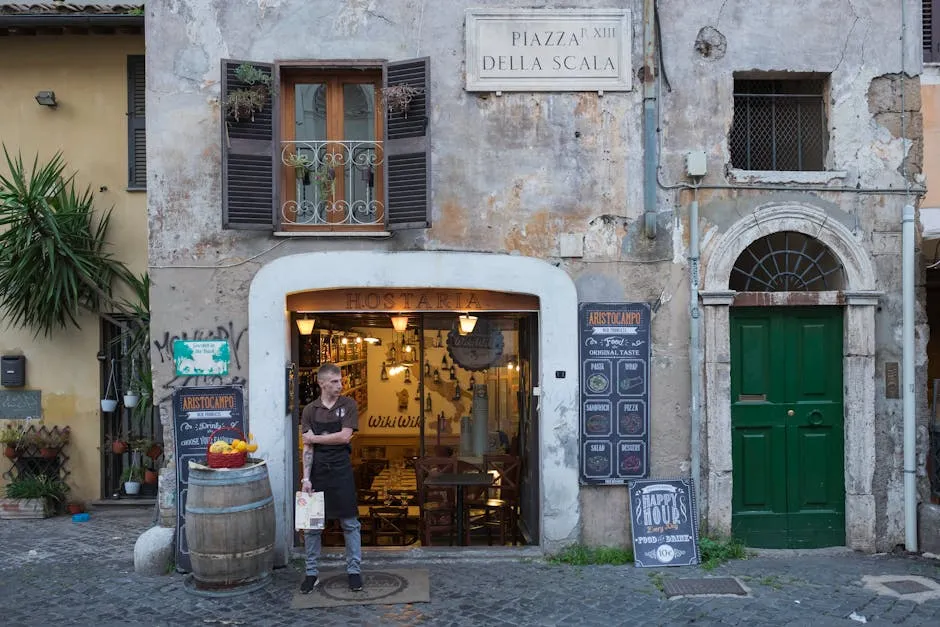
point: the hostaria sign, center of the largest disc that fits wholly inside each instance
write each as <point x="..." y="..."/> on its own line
<point x="549" y="50"/>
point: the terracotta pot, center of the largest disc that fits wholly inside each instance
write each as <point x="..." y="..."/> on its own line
<point x="49" y="453"/>
<point x="155" y="451"/>
<point x="150" y="477"/>
<point x="75" y="508"/>
<point x="119" y="447"/>
<point x="11" y="452"/>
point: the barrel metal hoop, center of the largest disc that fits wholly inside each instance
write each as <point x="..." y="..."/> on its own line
<point x="223" y="480"/>
<point x="230" y="510"/>
<point x="227" y="556"/>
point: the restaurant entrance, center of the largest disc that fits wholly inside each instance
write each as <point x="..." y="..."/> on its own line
<point x="446" y="452"/>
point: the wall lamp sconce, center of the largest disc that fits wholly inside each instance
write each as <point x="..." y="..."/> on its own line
<point x="467" y="323"/>
<point x="305" y="325"/>
<point x="47" y="99"/>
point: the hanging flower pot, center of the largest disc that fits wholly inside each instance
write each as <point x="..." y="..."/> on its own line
<point x="154" y="451"/>
<point x="11" y="452"/>
<point x="131" y="399"/>
<point x="119" y="447"/>
<point x="49" y="453"/>
<point x="108" y="404"/>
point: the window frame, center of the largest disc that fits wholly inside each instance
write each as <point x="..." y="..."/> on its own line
<point x="334" y="74"/>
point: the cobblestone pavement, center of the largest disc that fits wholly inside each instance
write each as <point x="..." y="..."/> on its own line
<point x="58" y="572"/>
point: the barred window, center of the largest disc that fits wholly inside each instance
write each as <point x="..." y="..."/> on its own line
<point x="779" y="124"/>
<point x="929" y="28"/>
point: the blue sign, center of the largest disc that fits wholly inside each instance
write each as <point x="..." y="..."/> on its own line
<point x="615" y="392"/>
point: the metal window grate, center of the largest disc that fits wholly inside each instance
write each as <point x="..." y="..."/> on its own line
<point x="779" y="125"/>
<point x="927" y="30"/>
<point x="787" y="262"/>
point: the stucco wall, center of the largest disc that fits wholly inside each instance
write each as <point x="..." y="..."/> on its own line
<point x="511" y="173"/>
<point x="89" y="127"/>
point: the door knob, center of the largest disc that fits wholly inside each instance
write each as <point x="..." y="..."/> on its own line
<point x="790" y="412"/>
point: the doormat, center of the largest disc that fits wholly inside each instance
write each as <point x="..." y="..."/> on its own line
<point x="379" y="587"/>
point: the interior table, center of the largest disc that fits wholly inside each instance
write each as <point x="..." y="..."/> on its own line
<point x="460" y="480"/>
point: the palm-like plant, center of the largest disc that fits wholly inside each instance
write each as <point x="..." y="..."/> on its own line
<point x="54" y="257"/>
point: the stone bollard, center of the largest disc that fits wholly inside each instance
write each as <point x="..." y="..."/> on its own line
<point x="153" y="551"/>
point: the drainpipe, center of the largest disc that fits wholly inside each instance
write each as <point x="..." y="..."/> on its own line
<point x="650" y="145"/>
<point x="907" y="361"/>
<point x="695" y="353"/>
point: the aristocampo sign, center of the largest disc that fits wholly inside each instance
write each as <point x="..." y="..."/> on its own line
<point x="549" y="50"/>
<point x="417" y="299"/>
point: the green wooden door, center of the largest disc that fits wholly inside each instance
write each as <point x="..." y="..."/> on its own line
<point x="787" y="427"/>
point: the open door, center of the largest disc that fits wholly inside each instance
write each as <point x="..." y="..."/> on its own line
<point x="529" y="428"/>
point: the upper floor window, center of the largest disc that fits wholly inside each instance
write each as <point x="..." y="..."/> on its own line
<point x="930" y="28"/>
<point x="779" y="124"/>
<point x="325" y="145"/>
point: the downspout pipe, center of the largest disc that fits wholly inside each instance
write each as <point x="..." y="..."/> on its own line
<point x="695" y="355"/>
<point x="907" y="373"/>
<point x="650" y="143"/>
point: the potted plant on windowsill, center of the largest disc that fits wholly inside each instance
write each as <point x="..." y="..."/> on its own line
<point x="132" y="477"/>
<point x="302" y="165"/>
<point x="33" y="496"/>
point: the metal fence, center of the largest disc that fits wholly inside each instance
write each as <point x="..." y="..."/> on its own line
<point x="779" y="125"/>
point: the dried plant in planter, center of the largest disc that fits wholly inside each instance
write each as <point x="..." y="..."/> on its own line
<point x="244" y="102"/>
<point x="398" y="98"/>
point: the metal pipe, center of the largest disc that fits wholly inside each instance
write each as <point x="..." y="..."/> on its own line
<point x="695" y="356"/>
<point x="907" y="361"/>
<point x="650" y="144"/>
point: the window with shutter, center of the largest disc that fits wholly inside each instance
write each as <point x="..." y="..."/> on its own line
<point x="342" y="147"/>
<point x="136" y="126"/>
<point x="930" y="27"/>
<point x="249" y="103"/>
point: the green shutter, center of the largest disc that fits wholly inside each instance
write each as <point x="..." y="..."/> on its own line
<point x="408" y="149"/>
<point x="248" y="153"/>
<point x="136" y="127"/>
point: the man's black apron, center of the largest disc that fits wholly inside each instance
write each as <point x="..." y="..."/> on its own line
<point x="333" y="474"/>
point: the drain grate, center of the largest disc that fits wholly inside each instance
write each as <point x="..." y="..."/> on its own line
<point x="703" y="586"/>
<point x="906" y="586"/>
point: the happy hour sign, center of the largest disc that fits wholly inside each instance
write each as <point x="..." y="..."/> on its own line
<point x="664" y="522"/>
<point x="615" y="355"/>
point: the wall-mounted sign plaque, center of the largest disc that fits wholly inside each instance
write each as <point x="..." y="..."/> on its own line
<point x="615" y="357"/>
<point x="201" y="357"/>
<point x="549" y="50"/>
<point x="477" y="350"/>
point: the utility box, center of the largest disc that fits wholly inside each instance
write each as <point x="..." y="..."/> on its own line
<point x="13" y="371"/>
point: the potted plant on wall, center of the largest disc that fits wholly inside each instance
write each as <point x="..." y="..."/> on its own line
<point x="132" y="477"/>
<point x="244" y="102"/>
<point x="12" y="439"/>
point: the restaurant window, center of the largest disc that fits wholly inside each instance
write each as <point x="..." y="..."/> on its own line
<point x="779" y="124"/>
<point x="320" y="148"/>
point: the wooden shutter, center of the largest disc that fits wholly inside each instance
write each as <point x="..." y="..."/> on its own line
<point x="930" y="22"/>
<point x="248" y="153"/>
<point x="136" y="127"/>
<point x="408" y="149"/>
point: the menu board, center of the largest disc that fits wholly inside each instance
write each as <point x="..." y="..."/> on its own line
<point x="615" y="365"/>
<point x="197" y="412"/>
<point x="664" y="522"/>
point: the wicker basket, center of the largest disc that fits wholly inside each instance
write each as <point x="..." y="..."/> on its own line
<point x="225" y="460"/>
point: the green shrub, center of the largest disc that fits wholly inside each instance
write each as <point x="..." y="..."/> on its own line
<point x="580" y="555"/>
<point x="716" y="551"/>
<point x="37" y="487"/>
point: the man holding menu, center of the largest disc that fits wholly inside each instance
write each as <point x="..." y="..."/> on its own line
<point x="327" y="426"/>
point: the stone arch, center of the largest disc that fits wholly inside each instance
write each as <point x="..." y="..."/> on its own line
<point x="858" y="362"/>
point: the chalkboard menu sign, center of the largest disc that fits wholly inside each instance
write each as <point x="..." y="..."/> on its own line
<point x="664" y="521"/>
<point x="197" y="412"/>
<point x="615" y="366"/>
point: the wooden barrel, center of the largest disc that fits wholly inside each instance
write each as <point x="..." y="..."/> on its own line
<point x="230" y="526"/>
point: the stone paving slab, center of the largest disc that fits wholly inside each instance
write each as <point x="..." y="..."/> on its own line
<point x="54" y="571"/>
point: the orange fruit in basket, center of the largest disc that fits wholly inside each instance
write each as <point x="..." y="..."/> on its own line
<point x="251" y="448"/>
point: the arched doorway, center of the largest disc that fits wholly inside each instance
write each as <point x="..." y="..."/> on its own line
<point x="826" y="290"/>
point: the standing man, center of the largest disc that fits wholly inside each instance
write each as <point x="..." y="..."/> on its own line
<point x="327" y="426"/>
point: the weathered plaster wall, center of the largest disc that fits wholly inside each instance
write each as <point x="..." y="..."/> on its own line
<point x="512" y="173"/>
<point x="89" y="127"/>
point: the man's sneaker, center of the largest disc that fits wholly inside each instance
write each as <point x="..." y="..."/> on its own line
<point x="355" y="582"/>
<point x="310" y="582"/>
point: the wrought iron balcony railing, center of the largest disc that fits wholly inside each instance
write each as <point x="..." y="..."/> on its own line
<point x="335" y="183"/>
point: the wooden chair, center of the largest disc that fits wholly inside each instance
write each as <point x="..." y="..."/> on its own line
<point x="390" y="523"/>
<point x="501" y="509"/>
<point x="438" y="511"/>
<point x="367" y="497"/>
<point x="402" y="497"/>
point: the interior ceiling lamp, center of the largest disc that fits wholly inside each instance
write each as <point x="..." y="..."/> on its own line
<point x="372" y="340"/>
<point x="400" y="323"/>
<point x="467" y="323"/>
<point x="305" y="325"/>
<point x="46" y="98"/>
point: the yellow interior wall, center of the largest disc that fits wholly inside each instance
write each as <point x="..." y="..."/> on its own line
<point x="89" y="77"/>
<point x="930" y="108"/>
